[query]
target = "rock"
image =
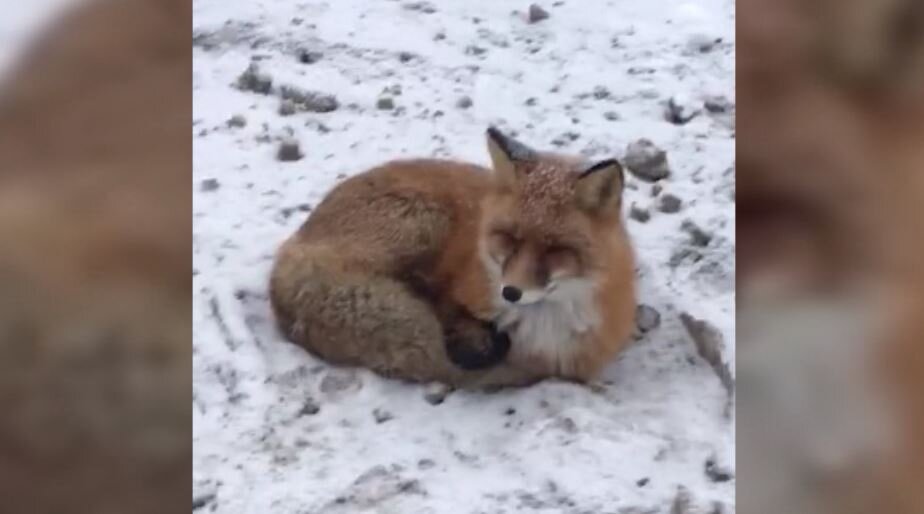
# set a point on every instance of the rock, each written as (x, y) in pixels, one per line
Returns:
(703, 43)
(338, 381)
(716, 473)
(537, 14)
(680, 109)
(475, 50)
(405, 56)
(565, 138)
(381, 415)
(655, 190)
(698, 236)
(464, 102)
(309, 408)
(601, 93)
(424, 464)
(709, 344)
(682, 255)
(311, 101)
(289, 150)
(252, 79)
(209, 185)
(237, 121)
(385, 103)
(611, 116)
(639, 214)
(670, 204)
(202, 500)
(642, 482)
(309, 56)
(646, 161)
(424, 7)
(717, 104)
(647, 318)
(436, 394)
(286, 108)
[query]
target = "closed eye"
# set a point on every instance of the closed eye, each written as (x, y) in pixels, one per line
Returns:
(560, 259)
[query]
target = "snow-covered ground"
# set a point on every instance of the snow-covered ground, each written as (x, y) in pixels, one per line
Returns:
(277, 430)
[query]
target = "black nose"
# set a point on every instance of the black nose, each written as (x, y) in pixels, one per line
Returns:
(511, 294)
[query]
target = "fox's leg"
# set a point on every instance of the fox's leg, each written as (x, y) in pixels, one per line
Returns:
(361, 319)
(472, 344)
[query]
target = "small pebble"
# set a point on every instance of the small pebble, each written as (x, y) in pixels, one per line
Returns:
(209, 184)
(289, 150)
(639, 214)
(381, 415)
(385, 103)
(646, 161)
(698, 236)
(286, 108)
(309, 56)
(464, 102)
(252, 79)
(537, 13)
(647, 318)
(670, 204)
(237, 121)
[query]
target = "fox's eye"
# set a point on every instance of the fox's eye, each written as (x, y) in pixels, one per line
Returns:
(561, 260)
(502, 244)
(504, 239)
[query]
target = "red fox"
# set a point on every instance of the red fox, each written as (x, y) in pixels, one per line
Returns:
(431, 270)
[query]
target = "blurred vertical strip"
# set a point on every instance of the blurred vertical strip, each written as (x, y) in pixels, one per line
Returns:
(830, 231)
(95, 260)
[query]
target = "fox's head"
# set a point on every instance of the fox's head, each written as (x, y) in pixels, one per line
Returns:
(550, 222)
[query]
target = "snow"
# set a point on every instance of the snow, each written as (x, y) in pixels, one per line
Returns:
(276, 430)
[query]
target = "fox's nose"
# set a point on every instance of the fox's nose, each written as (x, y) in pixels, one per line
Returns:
(511, 294)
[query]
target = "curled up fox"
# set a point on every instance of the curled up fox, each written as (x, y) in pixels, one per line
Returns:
(435, 270)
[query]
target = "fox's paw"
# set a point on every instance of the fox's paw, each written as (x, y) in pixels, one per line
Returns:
(473, 345)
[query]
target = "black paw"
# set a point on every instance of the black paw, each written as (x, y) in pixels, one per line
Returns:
(500, 342)
(489, 349)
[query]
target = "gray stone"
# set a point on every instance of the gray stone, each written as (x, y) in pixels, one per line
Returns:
(209, 185)
(670, 204)
(289, 150)
(647, 318)
(646, 161)
(639, 214)
(252, 79)
(698, 236)
(537, 14)
(286, 108)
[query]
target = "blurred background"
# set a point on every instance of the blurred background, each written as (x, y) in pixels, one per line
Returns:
(95, 281)
(830, 220)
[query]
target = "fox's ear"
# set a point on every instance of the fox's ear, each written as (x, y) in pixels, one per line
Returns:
(506, 153)
(599, 187)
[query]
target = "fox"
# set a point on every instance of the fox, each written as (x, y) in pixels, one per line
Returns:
(442, 271)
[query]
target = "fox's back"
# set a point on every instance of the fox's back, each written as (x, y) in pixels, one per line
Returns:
(401, 214)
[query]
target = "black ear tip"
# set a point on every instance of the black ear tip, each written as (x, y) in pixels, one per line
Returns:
(606, 163)
(495, 134)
